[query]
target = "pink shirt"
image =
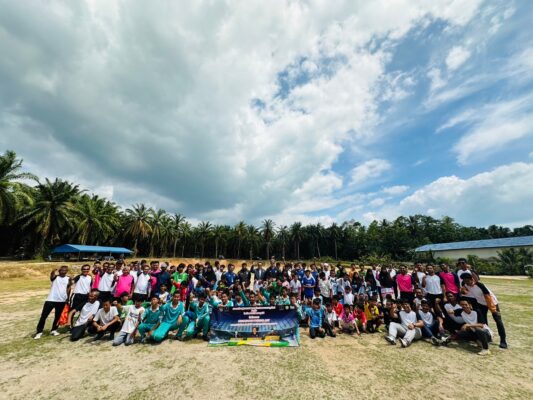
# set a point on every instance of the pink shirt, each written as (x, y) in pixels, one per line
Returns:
(449, 282)
(123, 284)
(96, 281)
(404, 283)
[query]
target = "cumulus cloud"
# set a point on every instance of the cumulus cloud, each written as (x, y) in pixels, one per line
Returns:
(220, 110)
(396, 190)
(457, 57)
(370, 169)
(501, 196)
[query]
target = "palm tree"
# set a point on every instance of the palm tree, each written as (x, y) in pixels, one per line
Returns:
(297, 235)
(97, 219)
(317, 233)
(219, 234)
(267, 230)
(335, 234)
(283, 236)
(138, 223)
(54, 211)
(204, 229)
(240, 233)
(13, 194)
(185, 233)
(177, 220)
(253, 236)
(157, 222)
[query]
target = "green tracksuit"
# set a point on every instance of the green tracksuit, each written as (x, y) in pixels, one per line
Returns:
(149, 320)
(169, 321)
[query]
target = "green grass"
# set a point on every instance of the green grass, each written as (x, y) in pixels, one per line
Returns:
(345, 367)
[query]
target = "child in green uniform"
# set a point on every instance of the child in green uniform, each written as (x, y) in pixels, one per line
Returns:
(152, 315)
(171, 319)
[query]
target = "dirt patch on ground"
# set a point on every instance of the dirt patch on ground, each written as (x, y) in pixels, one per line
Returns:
(345, 367)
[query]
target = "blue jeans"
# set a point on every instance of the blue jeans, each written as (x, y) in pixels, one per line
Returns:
(430, 330)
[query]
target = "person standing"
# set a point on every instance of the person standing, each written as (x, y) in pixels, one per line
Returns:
(83, 283)
(485, 301)
(56, 300)
(405, 283)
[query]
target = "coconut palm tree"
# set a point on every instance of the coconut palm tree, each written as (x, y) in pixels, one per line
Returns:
(239, 231)
(253, 237)
(54, 211)
(97, 219)
(283, 236)
(335, 234)
(185, 233)
(157, 222)
(297, 235)
(219, 235)
(267, 230)
(138, 223)
(13, 194)
(175, 231)
(204, 230)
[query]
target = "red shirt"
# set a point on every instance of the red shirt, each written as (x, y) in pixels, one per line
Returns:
(360, 315)
(339, 309)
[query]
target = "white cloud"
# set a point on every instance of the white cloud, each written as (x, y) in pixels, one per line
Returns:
(456, 57)
(436, 80)
(371, 169)
(491, 127)
(396, 190)
(159, 104)
(501, 196)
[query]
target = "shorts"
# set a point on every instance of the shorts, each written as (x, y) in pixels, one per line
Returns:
(78, 301)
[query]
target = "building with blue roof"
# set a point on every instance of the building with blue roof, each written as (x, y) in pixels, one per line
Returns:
(481, 248)
(83, 251)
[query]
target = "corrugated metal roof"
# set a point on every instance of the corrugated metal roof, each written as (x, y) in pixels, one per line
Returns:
(479, 244)
(81, 248)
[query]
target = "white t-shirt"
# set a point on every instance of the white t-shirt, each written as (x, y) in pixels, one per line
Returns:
(460, 273)
(87, 310)
(106, 282)
(143, 283)
(426, 317)
(476, 293)
(295, 286)
(470, 318)
(449, 308)
(104, 318)
(407, 318)
(331, 317)
(348, 299)
(83, 285)
(420, 276)
(132, 317)
(325, 287)
(134, 274)
(433, 284)
(58, 290)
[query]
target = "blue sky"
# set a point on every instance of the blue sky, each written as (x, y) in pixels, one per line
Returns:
(306, 110)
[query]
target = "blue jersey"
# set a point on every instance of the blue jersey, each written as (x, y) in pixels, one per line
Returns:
(316, 317)
(230, 277)
(308, 291)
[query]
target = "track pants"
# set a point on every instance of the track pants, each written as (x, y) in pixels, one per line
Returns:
(48, 306)
(483, 311)
(409, 335)
(77, 332)
(475, 334)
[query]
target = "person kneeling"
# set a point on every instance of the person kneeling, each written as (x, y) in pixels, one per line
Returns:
(105, 321)
(473, 329)
(132, 320)
(409, 328)
(87, 313)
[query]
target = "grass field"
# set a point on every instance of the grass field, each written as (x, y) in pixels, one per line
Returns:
(345, 367)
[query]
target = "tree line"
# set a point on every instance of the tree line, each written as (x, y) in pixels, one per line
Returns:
(37, 215)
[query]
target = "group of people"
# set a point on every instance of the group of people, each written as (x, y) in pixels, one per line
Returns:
(149, 301)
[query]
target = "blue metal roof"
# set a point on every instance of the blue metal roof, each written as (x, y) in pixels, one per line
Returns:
(479, 244)
(81, 248)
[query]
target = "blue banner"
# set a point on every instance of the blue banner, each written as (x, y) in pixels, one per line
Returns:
(269, 326)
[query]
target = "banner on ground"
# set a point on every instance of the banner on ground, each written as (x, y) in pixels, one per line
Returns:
(269, 326)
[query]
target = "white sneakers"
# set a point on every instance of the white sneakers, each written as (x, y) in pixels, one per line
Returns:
(484, 352)
(39, 335)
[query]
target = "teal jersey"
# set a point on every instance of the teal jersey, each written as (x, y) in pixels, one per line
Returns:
(281, 301)
(171, 314)
(198, 311)
(152, 317)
